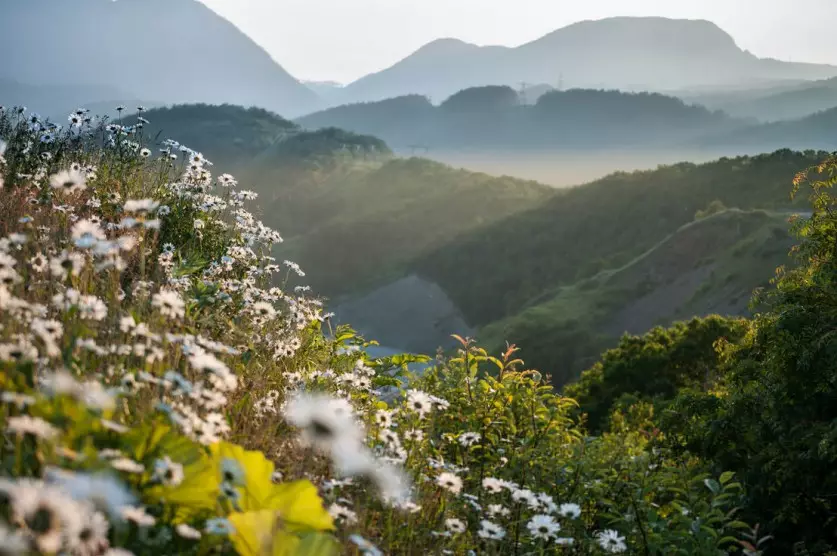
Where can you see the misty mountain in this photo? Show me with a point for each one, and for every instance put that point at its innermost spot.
(494, 117)
(328, 91)
(811, 132)
(167, 50)
(785, 102)
(650, 53)
(56, 101)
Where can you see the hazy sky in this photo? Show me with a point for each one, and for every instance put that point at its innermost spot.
(345, 39)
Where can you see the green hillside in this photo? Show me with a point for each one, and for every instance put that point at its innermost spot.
(392, 211)
(602, 225)
(708, 266)
(229, 135)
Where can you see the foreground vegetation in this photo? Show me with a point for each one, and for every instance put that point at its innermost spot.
(167, 389)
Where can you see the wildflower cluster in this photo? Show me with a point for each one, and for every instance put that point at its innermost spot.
(116, 386)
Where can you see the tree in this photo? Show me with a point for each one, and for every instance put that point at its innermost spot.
(653, 367)
(773, 416)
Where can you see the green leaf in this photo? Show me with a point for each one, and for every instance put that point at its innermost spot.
(726, 477)
(712, 485)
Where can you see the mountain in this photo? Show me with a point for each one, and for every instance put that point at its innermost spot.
(328, 91)
(171, 51)
(494, 117)
(57, 101)
(626, 53)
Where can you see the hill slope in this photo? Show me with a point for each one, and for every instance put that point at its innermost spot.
(787, 102)
(814, 131)
(128, 44)
(624, 53)
(605, 224)
(708, 266)
(393, 210)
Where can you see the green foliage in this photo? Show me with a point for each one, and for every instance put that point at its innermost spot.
(654, 367)
(771, 415)
(714, 207)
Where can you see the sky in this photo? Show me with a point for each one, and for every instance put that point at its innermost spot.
(343, 40)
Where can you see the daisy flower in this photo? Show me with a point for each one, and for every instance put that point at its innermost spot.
(419, 401)
(187, 532)
(543, 526)
(455, 526)
(35, 426)
(611, 541)
(169, 303)
(572, 511)
(68, 181)
(491, 531)
(449, 482)
(342, 513)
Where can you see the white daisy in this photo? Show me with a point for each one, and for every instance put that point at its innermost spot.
(449, 482)
(24, 424)
(169, 303)
(455, 526)
(342, 513)
(611, 541)
(572, 511)
(543, 526)
(491, 531)
(68, 181)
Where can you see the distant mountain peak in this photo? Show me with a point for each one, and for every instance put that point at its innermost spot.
(628, 53)
(446, 44)
(179, 51)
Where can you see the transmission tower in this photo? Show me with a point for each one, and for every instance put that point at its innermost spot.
(522, 93)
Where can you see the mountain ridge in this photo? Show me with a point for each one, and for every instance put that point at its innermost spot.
(213, 61)
(621, 52)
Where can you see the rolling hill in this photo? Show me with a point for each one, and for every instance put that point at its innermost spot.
(815, 130)
(786, 102)
(623, 53)
(705, 267)
(334, 194)
(602, 225)
(356, 223)
(171, 51)
(492, 117)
